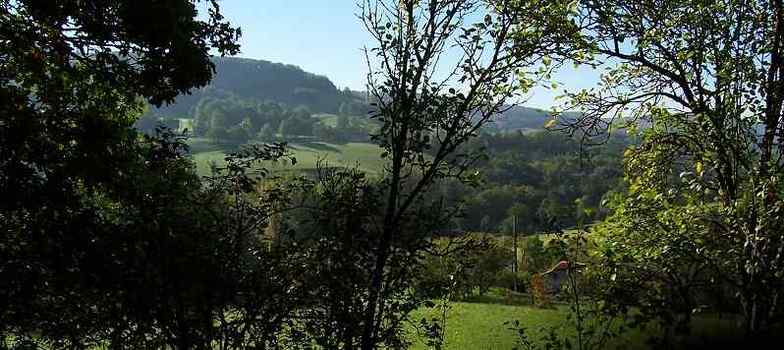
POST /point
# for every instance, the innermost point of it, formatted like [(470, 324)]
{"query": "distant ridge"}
[(264, 81), (521, 118)]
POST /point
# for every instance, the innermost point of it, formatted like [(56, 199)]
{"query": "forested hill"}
[(524, 118), (264, 81)]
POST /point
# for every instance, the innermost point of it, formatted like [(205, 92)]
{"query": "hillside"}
[(263, 81), (243, 79), (524, 118)]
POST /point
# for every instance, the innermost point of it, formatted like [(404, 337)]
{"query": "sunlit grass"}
[(483, 324), (365, 156)]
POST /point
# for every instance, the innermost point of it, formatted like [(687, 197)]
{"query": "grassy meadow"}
[(365, 156), (480, 323), (474, 325)]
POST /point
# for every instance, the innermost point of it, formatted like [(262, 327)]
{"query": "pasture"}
[(364, 156)]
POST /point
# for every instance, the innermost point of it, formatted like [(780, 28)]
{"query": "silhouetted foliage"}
[(90, 207)]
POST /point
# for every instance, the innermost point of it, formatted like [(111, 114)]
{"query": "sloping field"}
[(365, 156)]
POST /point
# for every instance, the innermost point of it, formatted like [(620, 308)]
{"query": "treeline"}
[(478, 262), (237, 120), (231, 119), (544, 178)]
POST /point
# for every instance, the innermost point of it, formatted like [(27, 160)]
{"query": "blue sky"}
[(325, 37)]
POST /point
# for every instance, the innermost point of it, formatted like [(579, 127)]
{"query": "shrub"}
[(464, 265), (506, 280)]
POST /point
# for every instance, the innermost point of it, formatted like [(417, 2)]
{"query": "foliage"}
[(330, 223), (108, 235), (539, 256), (544, 183), (160, 263), (237, 120), (460, 266), (540, 294), (704, 81), (422, 114), (590, 323)]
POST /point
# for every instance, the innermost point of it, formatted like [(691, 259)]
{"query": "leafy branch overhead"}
[(153, 48)]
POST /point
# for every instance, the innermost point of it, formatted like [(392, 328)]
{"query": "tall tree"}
[(73, 73), (706, 81), (429, 106)]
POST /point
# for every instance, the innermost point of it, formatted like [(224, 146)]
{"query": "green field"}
[(481, 325), (365, 156)]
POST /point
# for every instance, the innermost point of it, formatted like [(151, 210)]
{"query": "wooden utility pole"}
[(514, 247)]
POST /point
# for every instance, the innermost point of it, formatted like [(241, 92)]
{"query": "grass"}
[(332, 119), (200, 145), (362, 121), (365, 156), (480, 324)]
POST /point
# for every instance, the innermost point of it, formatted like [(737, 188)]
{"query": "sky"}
[(325, 37)]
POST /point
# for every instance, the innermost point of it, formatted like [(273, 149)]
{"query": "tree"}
[(705, 81), (248, 126), (147, 123), (301, 112), (344, 108), (171, 123), (342, 123), (266, 133), (517, 212), (283, 129), (418, 111), (237, 134), (73, 73), (202, 119), (217, 135)]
